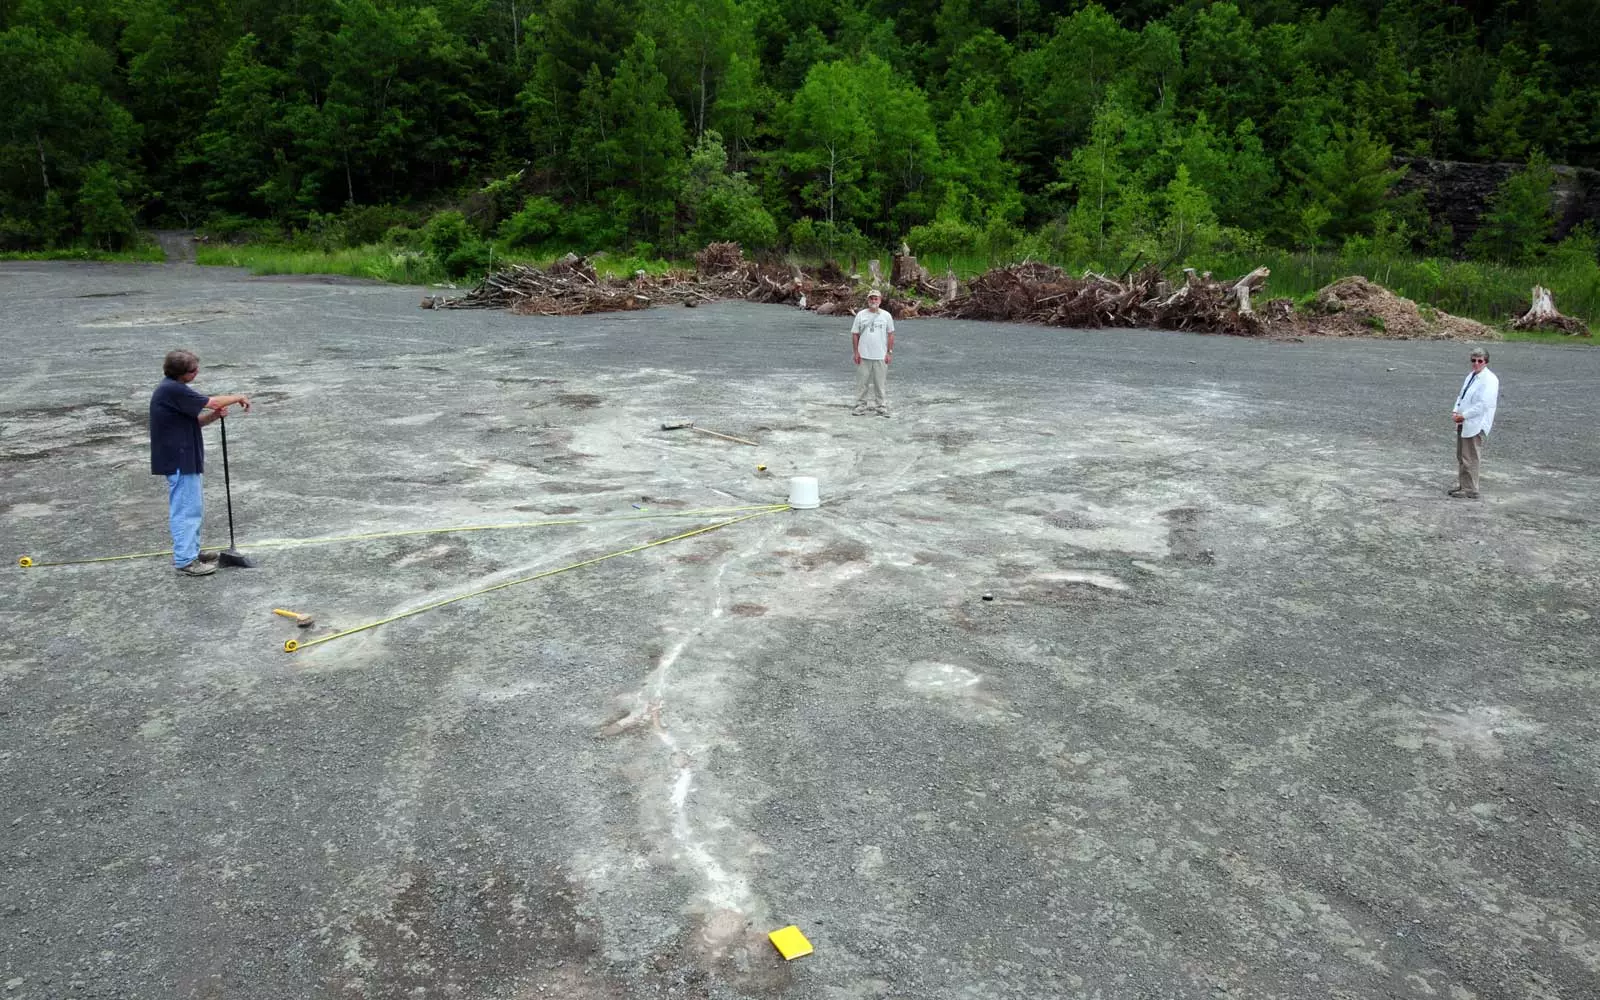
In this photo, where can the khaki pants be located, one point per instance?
(873, 376)
(1467, 451)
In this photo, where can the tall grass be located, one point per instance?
(374, 262)
(142, 254)
(386, 263)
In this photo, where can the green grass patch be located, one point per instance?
(142, 254)
(626, 267)
(394, 264)
(1550, 337)
(377, 263)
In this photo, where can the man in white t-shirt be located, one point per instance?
(1474, 416)
(872, 342)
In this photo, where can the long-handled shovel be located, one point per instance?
(230, 556)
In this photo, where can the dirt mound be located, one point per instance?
(1356, 307)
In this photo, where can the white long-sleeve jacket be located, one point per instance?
(1476, 402)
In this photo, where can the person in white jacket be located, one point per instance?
(1474, 416)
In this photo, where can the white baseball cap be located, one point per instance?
(874, 294)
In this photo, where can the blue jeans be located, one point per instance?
(183, 516)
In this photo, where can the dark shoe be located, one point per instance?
(860, 410)
(197, 568)
(883, 411)
(1461, 494)
(209, 557)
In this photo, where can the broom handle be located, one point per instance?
(726, 437)
(227, 484)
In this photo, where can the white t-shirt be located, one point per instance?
(874, 328)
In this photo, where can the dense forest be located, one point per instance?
(1080, 130)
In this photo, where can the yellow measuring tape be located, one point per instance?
(294, 645)
(28, 562)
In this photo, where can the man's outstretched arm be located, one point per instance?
(216, 406)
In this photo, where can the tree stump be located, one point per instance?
(1244, 286)
(906, 272)
(952, 287)
(1542, 315)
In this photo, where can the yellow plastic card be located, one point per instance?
(791, 944)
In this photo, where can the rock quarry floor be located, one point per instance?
(1254, 711)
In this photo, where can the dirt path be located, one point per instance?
(177, 244)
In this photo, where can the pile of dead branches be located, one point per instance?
(719, 258)
(1029, 292)
(568, 287)
(571, 286)
(1039, 293)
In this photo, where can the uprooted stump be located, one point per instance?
(1542, 315)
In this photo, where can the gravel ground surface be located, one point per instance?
(1255, 711)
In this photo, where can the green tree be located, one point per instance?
(723, 205)
(700, 40)
(1110, 207)
(1520, 218)
(980, 181)
(1344, 176)
(647, 147)
(828, 131)
(741, 102)
(174, 52)
(105, 219)
(1189, 226)
(1067, 77)
(902, 149)
(59, 122)
(238, 152)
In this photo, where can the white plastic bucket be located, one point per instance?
(803, 493)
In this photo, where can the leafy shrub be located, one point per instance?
(533, 225)
(366, 224)
(828, 239)
(945, 236)
(403, 237)
(999, 239)
(445, 233)
(452, 241)
(230, 228)
(474, 257)
(322, 232)
(587, 228)
(107, 222)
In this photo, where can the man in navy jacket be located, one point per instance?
(177, 452)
